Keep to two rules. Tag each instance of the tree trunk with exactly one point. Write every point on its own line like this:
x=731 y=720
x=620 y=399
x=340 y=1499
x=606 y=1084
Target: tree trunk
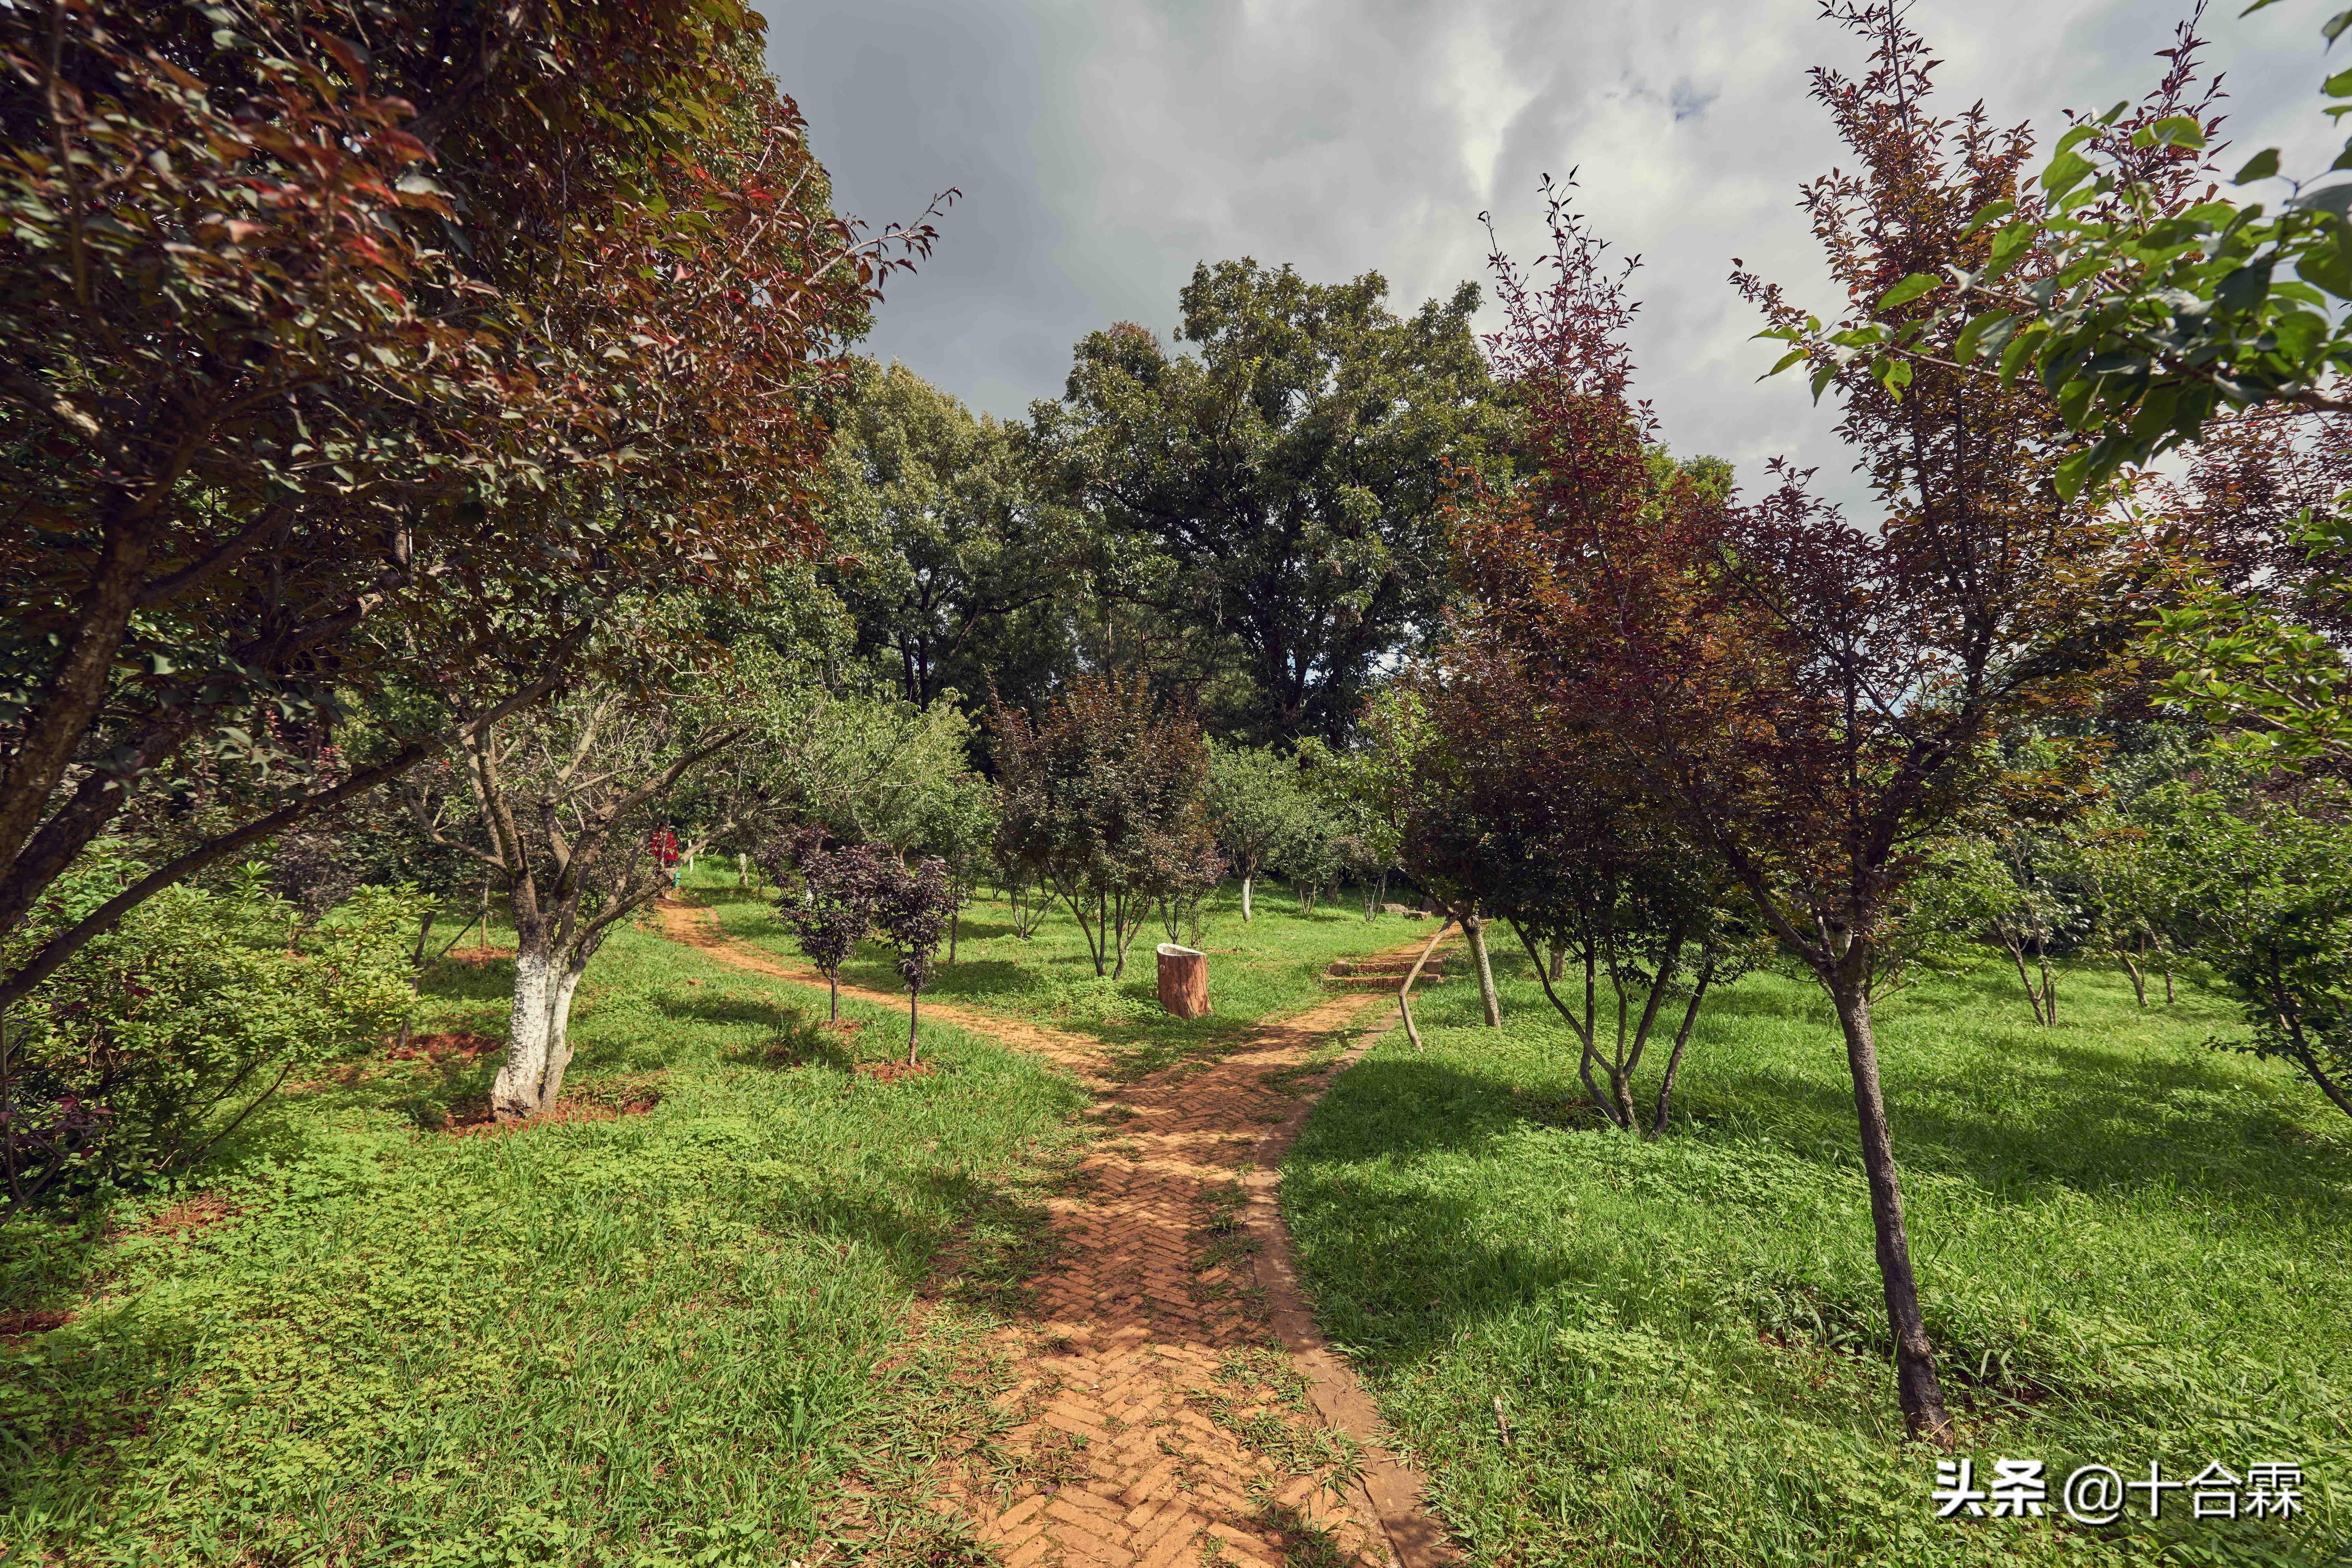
x=559 y=1034
x=516 y=1092
x=833 y=997
x=1475 y=927
x=2168 y=981
x=2048 y=986
x=1682 y=1038
x=1246 y=899
x=2138 y=978
x=1922 y=1397
x=914 y=1022
x=955 y=925
x=2033 y=996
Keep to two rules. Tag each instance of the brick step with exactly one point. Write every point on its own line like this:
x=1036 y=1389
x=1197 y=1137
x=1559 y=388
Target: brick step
x=1379 y=982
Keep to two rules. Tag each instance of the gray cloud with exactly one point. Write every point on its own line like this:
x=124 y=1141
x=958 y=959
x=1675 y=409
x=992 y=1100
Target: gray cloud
x=1104 y=147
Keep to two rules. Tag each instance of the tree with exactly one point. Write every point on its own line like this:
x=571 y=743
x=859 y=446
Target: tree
x=1253 y=800
x=1809 y=699
x=2174 y=309
x=911 y=908
x=332 y=366
x=568 y=797
x=1102 y=802
x=940 y=530
x=959 y=829
x=875 y=769
x=1286 y=479
x=1588 y=873
x=835 y=907
x=1342 y=794
x=2263 y=867
x=1411 y=783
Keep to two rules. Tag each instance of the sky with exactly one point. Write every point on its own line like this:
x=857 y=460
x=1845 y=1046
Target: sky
x=1102 y=148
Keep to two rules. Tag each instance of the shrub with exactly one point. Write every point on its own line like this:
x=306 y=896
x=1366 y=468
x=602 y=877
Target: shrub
x=154 y=1041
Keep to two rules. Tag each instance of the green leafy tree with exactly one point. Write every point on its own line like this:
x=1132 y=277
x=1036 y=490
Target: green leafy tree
x=942 y=536
x=1253 y=800
x=1286 y=478
x=2262 y=871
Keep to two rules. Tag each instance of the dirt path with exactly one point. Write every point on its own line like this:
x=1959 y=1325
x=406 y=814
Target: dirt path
x=1176 y=1404
x=701 y=928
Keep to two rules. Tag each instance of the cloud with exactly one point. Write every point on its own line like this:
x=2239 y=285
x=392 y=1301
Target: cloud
x=1105 y=146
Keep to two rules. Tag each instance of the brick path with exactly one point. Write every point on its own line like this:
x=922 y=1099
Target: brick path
x=1175 y=1404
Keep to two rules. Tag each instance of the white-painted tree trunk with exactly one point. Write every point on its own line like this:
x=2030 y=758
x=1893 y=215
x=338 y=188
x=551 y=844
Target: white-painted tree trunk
x=1246 y=899
x=538 y=1035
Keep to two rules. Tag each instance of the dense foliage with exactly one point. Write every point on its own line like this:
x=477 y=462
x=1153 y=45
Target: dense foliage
x=164 y=1034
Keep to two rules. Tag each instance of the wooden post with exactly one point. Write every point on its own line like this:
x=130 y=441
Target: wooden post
x=1405 y=992
x=1183 y=980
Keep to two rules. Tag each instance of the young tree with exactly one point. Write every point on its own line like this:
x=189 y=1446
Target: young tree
x=1102 y=800
x=1253 y=800
x=2263 y=867
x=959 y=829
x=1412 y=783
x=1287 y=478
x=334 y=360
x=1589 y=875
x=911 y=906
x=1810 y=699
x=833 y=909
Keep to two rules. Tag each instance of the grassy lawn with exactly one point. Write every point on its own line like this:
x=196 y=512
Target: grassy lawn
x=690 y=1335
x=2131 y=1247
x=1258 y=970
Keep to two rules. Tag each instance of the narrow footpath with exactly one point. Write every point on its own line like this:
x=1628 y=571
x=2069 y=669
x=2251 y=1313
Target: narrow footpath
x=1175 y=1403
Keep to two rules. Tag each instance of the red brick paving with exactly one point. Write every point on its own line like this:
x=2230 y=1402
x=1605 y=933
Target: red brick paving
x=1154 y=1321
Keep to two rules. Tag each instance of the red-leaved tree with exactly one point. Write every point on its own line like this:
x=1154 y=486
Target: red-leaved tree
x=1811 y=699
x=376 y=343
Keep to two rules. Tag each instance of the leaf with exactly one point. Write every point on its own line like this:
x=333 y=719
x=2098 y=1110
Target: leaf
x=2327 y=198
x=1910 y=288
x=2244 y=287
x=2179 y=131
x=2075 y=403
x=2328 y=268
x=2074 y=472
x=2262 y=165
x=1965 y=348
x=2335 y=26
x=2065 y=171
x=2013 y=358
x=1991 y=212
x=1786 y=360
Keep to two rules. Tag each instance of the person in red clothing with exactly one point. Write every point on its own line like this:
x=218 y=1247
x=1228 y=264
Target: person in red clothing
x=663 y=845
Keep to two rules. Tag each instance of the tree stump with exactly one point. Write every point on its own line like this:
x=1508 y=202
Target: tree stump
x=1183 y=980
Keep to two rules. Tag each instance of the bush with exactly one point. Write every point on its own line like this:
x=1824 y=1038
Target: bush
x=162 y=1035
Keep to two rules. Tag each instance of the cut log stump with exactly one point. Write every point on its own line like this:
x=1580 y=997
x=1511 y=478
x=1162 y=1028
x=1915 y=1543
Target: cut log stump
x=1183 y=980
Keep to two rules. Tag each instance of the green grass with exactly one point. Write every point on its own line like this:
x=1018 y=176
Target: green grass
x=687 y=1335
x=1258 y=970
x=2130 y=1246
